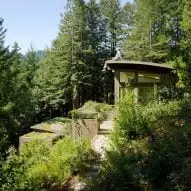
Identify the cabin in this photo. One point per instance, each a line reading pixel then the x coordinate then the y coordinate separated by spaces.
pixel 142 78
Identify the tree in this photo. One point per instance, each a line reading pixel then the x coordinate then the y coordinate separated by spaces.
pixel 31 64
pixel 111 11
pixel 4 63
pixel 156 34
pixel 5 106
pixel 16 100
pixel 185 65
pixel 71 72
pixel 127 21
pixel 52 80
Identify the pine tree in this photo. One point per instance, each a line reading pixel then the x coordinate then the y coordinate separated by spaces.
pixel 22 75
pixel 111 11
pixel 30 63
pixel 52 80
pixel 71 72
pixel 4 106
pixel 127 21
pixel 16 105
pixel 9 116
pixel 4 64
pixel 184 64
pixel 95 51
pixel 156 35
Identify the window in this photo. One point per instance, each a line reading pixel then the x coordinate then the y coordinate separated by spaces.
pixel 146 78
pixel 127 77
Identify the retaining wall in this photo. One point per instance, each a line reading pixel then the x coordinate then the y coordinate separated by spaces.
pixel 85 128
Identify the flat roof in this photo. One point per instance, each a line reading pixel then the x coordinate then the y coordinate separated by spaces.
pixel 138 65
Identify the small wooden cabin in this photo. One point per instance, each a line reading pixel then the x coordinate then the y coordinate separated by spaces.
pixel 143 78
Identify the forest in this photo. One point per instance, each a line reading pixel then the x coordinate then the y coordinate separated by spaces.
pixel 41 85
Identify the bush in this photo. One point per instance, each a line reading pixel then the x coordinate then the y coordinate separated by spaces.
pixel 39 166
pixel 59 164
pixel 12 171
pixel 91 107
pixel 169 156
pixel 150 147
pixel 131 122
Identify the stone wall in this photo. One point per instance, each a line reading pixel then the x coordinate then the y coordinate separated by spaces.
pixel 50 133
pixel 47 132
pixel 40 137
pixel 85 128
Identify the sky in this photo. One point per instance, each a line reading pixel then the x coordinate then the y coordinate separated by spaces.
pixel 32 22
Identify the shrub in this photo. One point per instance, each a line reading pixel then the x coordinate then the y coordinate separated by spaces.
pixel 150 147
pixel 101 109
pixel 169 156
pixel 131 122
pixel 56 164
pixel 39 166
pixel 12 171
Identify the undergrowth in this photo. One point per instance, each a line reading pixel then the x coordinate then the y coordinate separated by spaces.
pixel 39 166
pixel 92 109
pixel 150 148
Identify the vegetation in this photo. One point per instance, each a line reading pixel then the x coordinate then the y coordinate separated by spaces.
pixel 160 33
pixel 150 145
pixel 59 125
pixel 16 98
pixel 92 109
pixel 149 148
pixel 39 166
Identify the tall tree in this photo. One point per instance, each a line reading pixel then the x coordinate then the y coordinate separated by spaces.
pixel 16 101
pixel 156 35
pixel 111 11
pixel 4 64
pixel 96 51
pixel 71 72
pixel 5 107
pixel 127 21
pixel 183 64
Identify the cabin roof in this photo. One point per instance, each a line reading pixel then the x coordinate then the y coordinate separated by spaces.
pixel 139 66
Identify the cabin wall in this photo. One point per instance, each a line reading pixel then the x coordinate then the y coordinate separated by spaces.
pixel 116 85
pixel 139 87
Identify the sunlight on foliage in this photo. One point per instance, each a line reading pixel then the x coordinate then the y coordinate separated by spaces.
pixel 150 147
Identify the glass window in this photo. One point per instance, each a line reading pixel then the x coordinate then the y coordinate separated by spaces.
pixel 127 77
pixel 146 77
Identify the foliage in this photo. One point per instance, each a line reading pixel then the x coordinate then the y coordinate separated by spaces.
pixel 39 166
pixel 150 143
pixel 156 34
pixel 111 10
pixel 71 72
pixel 149 147
pixel 161 33
pixel 16 102
pixel 12 171
pixel 91 108
pixel 5 106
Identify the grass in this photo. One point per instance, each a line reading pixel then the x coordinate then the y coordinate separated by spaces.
pixel 38 135
pixel 92 110
pixel 57 125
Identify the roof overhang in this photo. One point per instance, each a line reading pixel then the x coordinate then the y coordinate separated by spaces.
pixel 138 66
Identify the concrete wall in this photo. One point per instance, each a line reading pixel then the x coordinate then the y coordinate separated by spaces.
pixel 80 128
pixel 85 128
pixel 38 137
